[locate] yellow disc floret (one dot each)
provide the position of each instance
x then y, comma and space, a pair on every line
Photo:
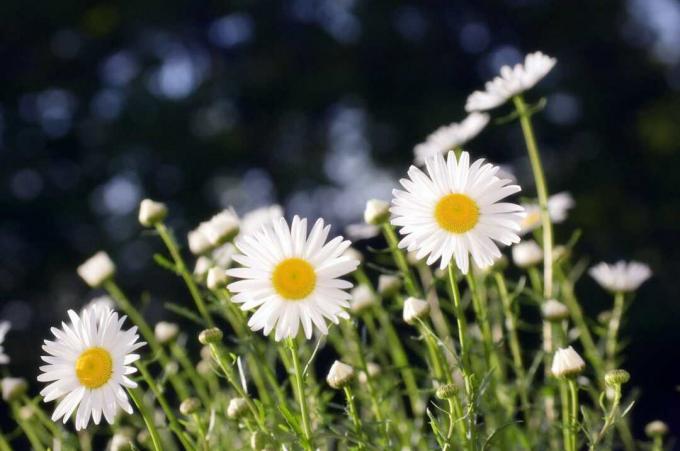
456, 213
294, 279
94, 367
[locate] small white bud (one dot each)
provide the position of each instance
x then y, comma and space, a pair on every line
217, 278
388, 285
151, 212
13, 388
354, 254
222, 227
567, 363
526, 254
202, 267
362, 298
339, 375
165, 332
377, 212
97, 269
237, 407
373, 370
656, 428
198, 242
554, 310
204, 367
121, 442
415, 309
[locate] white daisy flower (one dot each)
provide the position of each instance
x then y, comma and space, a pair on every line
88, 365
292, 277
450, 136
4, 328
512, 81
558, 207
620, 276
255, 219
453, 211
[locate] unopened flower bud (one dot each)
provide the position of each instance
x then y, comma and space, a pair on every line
377, 211
553, 310
97, 269
656, 428
222, 227
26, 412
446, 391
165, 332
143, 437
13, 388
217, 278
616, 377
567, 363
198, 242
203, 265
151, 213
237, 407
373, 370
526, 254
204, 367
388, 285
339, 375
362, 298
354, 254
121, 442
415, 309
206, 352
189, 406
208, 336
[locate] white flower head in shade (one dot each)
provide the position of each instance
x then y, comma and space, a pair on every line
558, 207
339, 375
415, 309
237, 407
389, 285
527, 253
198, 241
554, 310
4, 328
362, 298
621, 276
255, 219
362, 231
448, 137
511, 82
151, 212
217, 278
165, 331
567, 363
88, 365
97, 269
100, 302
13, 388
292, 278
453, 211
221, 228
377, 211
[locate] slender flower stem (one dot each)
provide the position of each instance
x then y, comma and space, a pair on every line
26, 426
410, 283
352, 411
170, 243
4, 444
573, 414
564, 398
197, 381
610, 418
657, 444
302, 399
613, 330
148, 419
51, 426
480, 309
541, 190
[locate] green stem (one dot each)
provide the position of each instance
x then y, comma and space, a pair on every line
480, 308
610, 419
197, 381
657, 445
356, 421
170, 243
541, 190
31, 435
4, 444
302, 399
148, 419
613, 330
564, 398
54, 429
573, 414
410, 283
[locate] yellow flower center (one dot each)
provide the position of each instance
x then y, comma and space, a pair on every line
456, 213
94, 367
294, 278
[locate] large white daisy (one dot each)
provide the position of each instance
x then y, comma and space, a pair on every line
620, 276
512, 81
292, 278
453, 211
448, 137
88, 365
4, 328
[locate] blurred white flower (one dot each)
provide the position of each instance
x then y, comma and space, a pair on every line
165, 331
4, 328
567, 363
97, 269
554, 310
377, 211
450, 136
151, 212
255, 219
527, 253
415, 309
198, 241
620, 276
339, 375
362, 298
558, 206
221, 228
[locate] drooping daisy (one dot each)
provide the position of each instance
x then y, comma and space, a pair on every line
558, 206
292, 278
621, 276
450, 136
453, 211
512, 81
4, 328
88, 365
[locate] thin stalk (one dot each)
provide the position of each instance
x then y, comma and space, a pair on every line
610, 418
410, 283
302, 399
480, 309
25, 426
657, 444
354, 416
201, 432
573, 414
613, 330
148, 419
4, 444
197, 381
54, 429
541, 191
564, 397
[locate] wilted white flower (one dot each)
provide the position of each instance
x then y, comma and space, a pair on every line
237, 407
450, 136
554, 310
292, 278
217, 278
415, 309
151, 212
339, 375
511, 82
255, 219
4, 328
558, 206
453, 211
377, 211
198, 241
567, 363
388, 285
97, 269
88, 365
165, 331
362, 298
13, 388
221, 228
620, 276
527, 253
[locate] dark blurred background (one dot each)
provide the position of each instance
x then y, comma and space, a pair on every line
317, 104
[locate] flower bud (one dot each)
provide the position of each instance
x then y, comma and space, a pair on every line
567, 363
26, 412
388, 285
526, 254
206, 353
616, 377
97, 269
143, 437
415, 309
202, 267
656, 428
373, 370
204, 367
446, 391
354, 254
189, 406
553, 310
362, 298
121, 442
221, 228
339, 375
13, 388
236, 408
377, 212
198, 242
208, 336
151, 213
165, 332
217, 278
